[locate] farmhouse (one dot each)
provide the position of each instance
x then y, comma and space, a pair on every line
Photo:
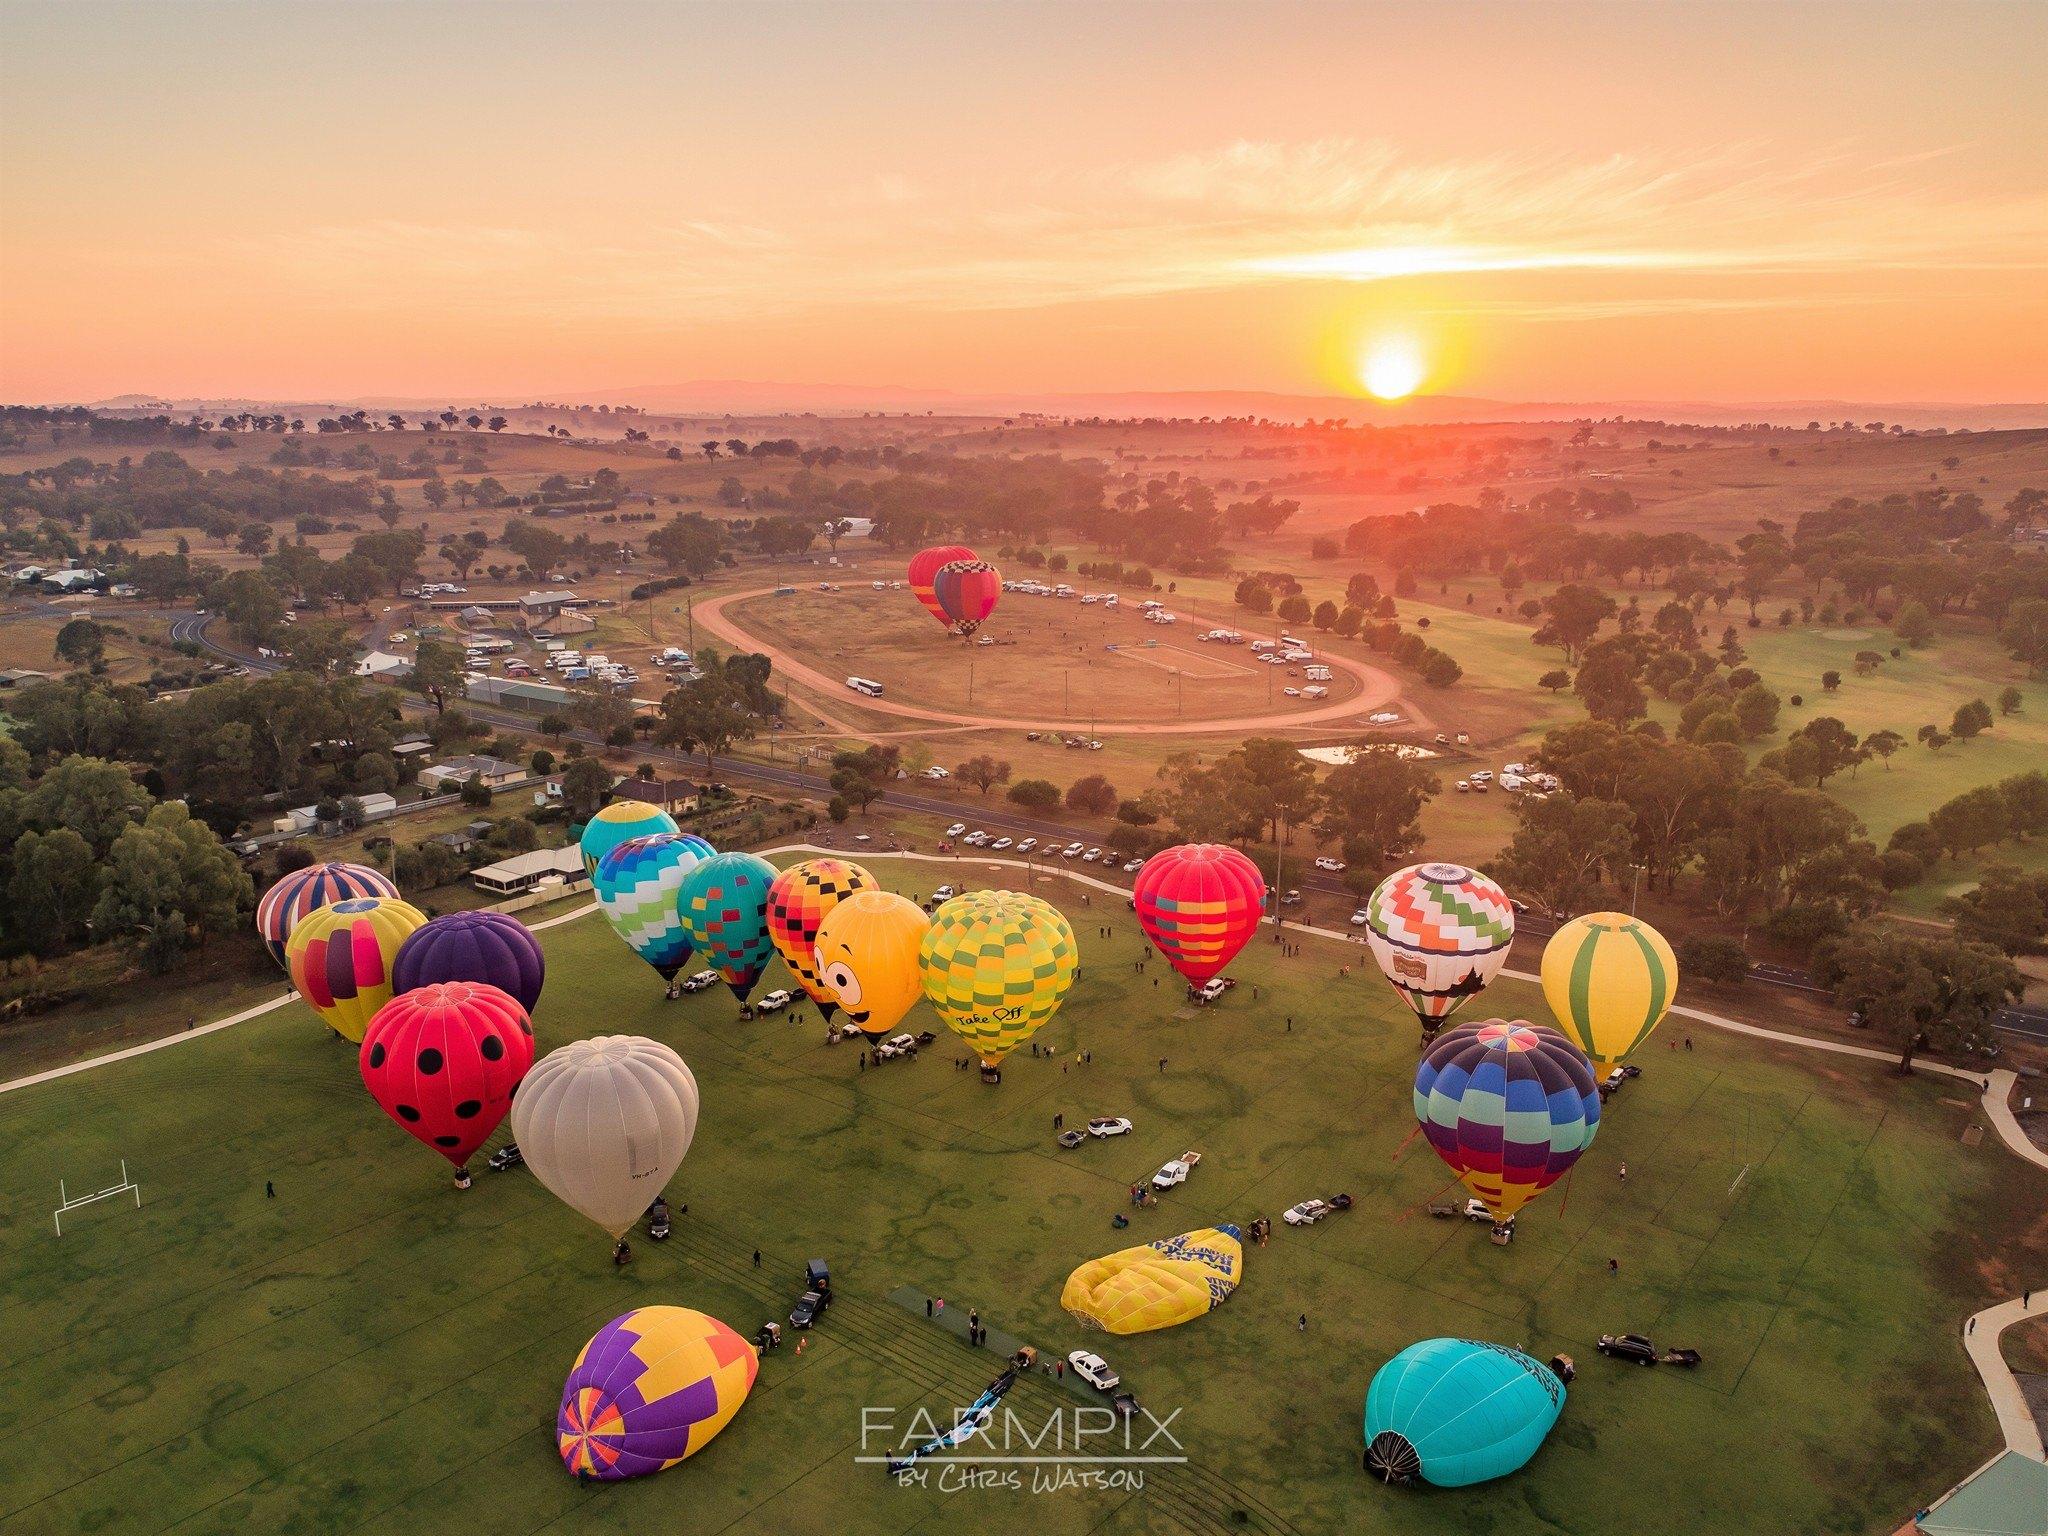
458, 771
675, 796
524, 871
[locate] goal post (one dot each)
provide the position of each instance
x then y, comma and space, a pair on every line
66, 1203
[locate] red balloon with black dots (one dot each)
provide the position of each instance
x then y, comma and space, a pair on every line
442, 1060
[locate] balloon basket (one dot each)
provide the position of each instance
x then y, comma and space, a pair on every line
462, 1178
991, 1074
1503, 1233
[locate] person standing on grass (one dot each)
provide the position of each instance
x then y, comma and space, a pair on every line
757, 1258
269, 1190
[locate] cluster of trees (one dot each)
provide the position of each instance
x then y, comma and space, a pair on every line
726, 703
1257, 594
2013, 809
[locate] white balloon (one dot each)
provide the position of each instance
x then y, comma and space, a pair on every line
604, 1124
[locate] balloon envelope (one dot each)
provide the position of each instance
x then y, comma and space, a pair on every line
724, 908
308, 890
1609, 978
442, 1060
615, 823
1509, 1105
604, 1124
966, 593
650, 1388
867, 957
492, 947
1199, 903
924, 567
340, 958
800, 899
996, 965
1440, 933
1458, 1411
1156, 1285
637, 884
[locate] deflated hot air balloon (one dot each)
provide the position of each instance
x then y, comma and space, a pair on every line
925, 565
966, 593
340, 958
1510, 1106
1156, 1285
1609, 978
724, 908
996, 964
1199, 903
307, 890
1458, 1411
473, 946
442, 1060
801, 898
604, 1123
867, 957
1440, 932
650, 1388
617, 822
637, 884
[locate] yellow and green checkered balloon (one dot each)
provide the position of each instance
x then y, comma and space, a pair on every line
996, 964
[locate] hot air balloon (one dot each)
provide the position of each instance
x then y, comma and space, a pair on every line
615, 823
637, 884
604, 1124
1609, 978
724, 907
473, 946
966, 593
1457, 1411
1509, 1105
801, 898
307, 890
925, 565
1199, 903
867, 958
651, 1388
1156, 1285
442, 1060
340, 958
996, 964
1440, 932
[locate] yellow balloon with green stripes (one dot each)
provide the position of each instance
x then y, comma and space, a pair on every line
996, 964
1609, 978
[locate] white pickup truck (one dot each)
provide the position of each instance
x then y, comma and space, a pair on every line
1176, 1171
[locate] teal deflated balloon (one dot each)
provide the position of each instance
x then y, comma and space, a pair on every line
637, 884
1458, 1411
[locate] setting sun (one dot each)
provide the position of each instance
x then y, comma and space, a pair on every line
1393, 368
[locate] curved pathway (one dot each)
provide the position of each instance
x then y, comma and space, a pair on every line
1377, 690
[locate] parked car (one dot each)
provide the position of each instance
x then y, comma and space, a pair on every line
1132, 866
1331, 866
1026, 844
1001, 842
700, 981
773, 1002
809, 1308
1306, 1214
507, 1156
956, 829
1360, 918
1210, 990
896, 1045
945, 893
1071, 1139
1109, 1125
1094, 1370
1628, 1346
1175, 1170
1291, 898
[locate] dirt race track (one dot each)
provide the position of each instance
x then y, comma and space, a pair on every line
1378, 690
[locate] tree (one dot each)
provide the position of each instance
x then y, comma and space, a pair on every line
1294, 609
1560, 847
554, 726
1756, 711
1882, 744
585, 783
1035, 794
708, 714
475, 792
2007, 910
437, 672
1092, 796
861, 777
1270, 782
1710, 957
1830, 680
542, 762
250, 603
838, 809
2024, 632
1573, 615
1325, 616
1556, 680
1372, 805
1913, 624
82, 642
983, 772
2009, 701
1971, 720
169, 882
1971, 820
1607, 686
52, 892
1254, 596
96, 799
1923, 993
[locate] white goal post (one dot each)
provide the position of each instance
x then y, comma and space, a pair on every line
66, 1203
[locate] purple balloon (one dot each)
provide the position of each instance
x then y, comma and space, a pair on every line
473, 946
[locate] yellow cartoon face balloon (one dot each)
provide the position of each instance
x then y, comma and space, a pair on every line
867, 958
1158, 1284
996, 964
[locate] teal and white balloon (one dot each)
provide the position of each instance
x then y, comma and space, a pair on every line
637, 883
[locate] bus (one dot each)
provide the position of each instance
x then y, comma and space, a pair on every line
866, 685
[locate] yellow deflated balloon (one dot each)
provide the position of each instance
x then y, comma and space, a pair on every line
1609, 978
996, 964
1157, 1285
867, 958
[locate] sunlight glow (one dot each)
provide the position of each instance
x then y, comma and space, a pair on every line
1392, 368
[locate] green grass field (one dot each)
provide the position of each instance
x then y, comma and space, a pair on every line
372, 1351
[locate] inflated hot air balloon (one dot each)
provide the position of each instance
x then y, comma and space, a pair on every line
307, 890
925, 565
604, 1124
340, 958
801, 898
649, 1389
637, 884
724, 907
1158, 1284
620, 820
1609, 978
1199, 903
996, 964
1509, 1105
473, 946
1440, 932
1457, 1411
966, 593
867, 958
442, 1060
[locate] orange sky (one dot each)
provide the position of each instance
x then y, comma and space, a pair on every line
1556, 202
